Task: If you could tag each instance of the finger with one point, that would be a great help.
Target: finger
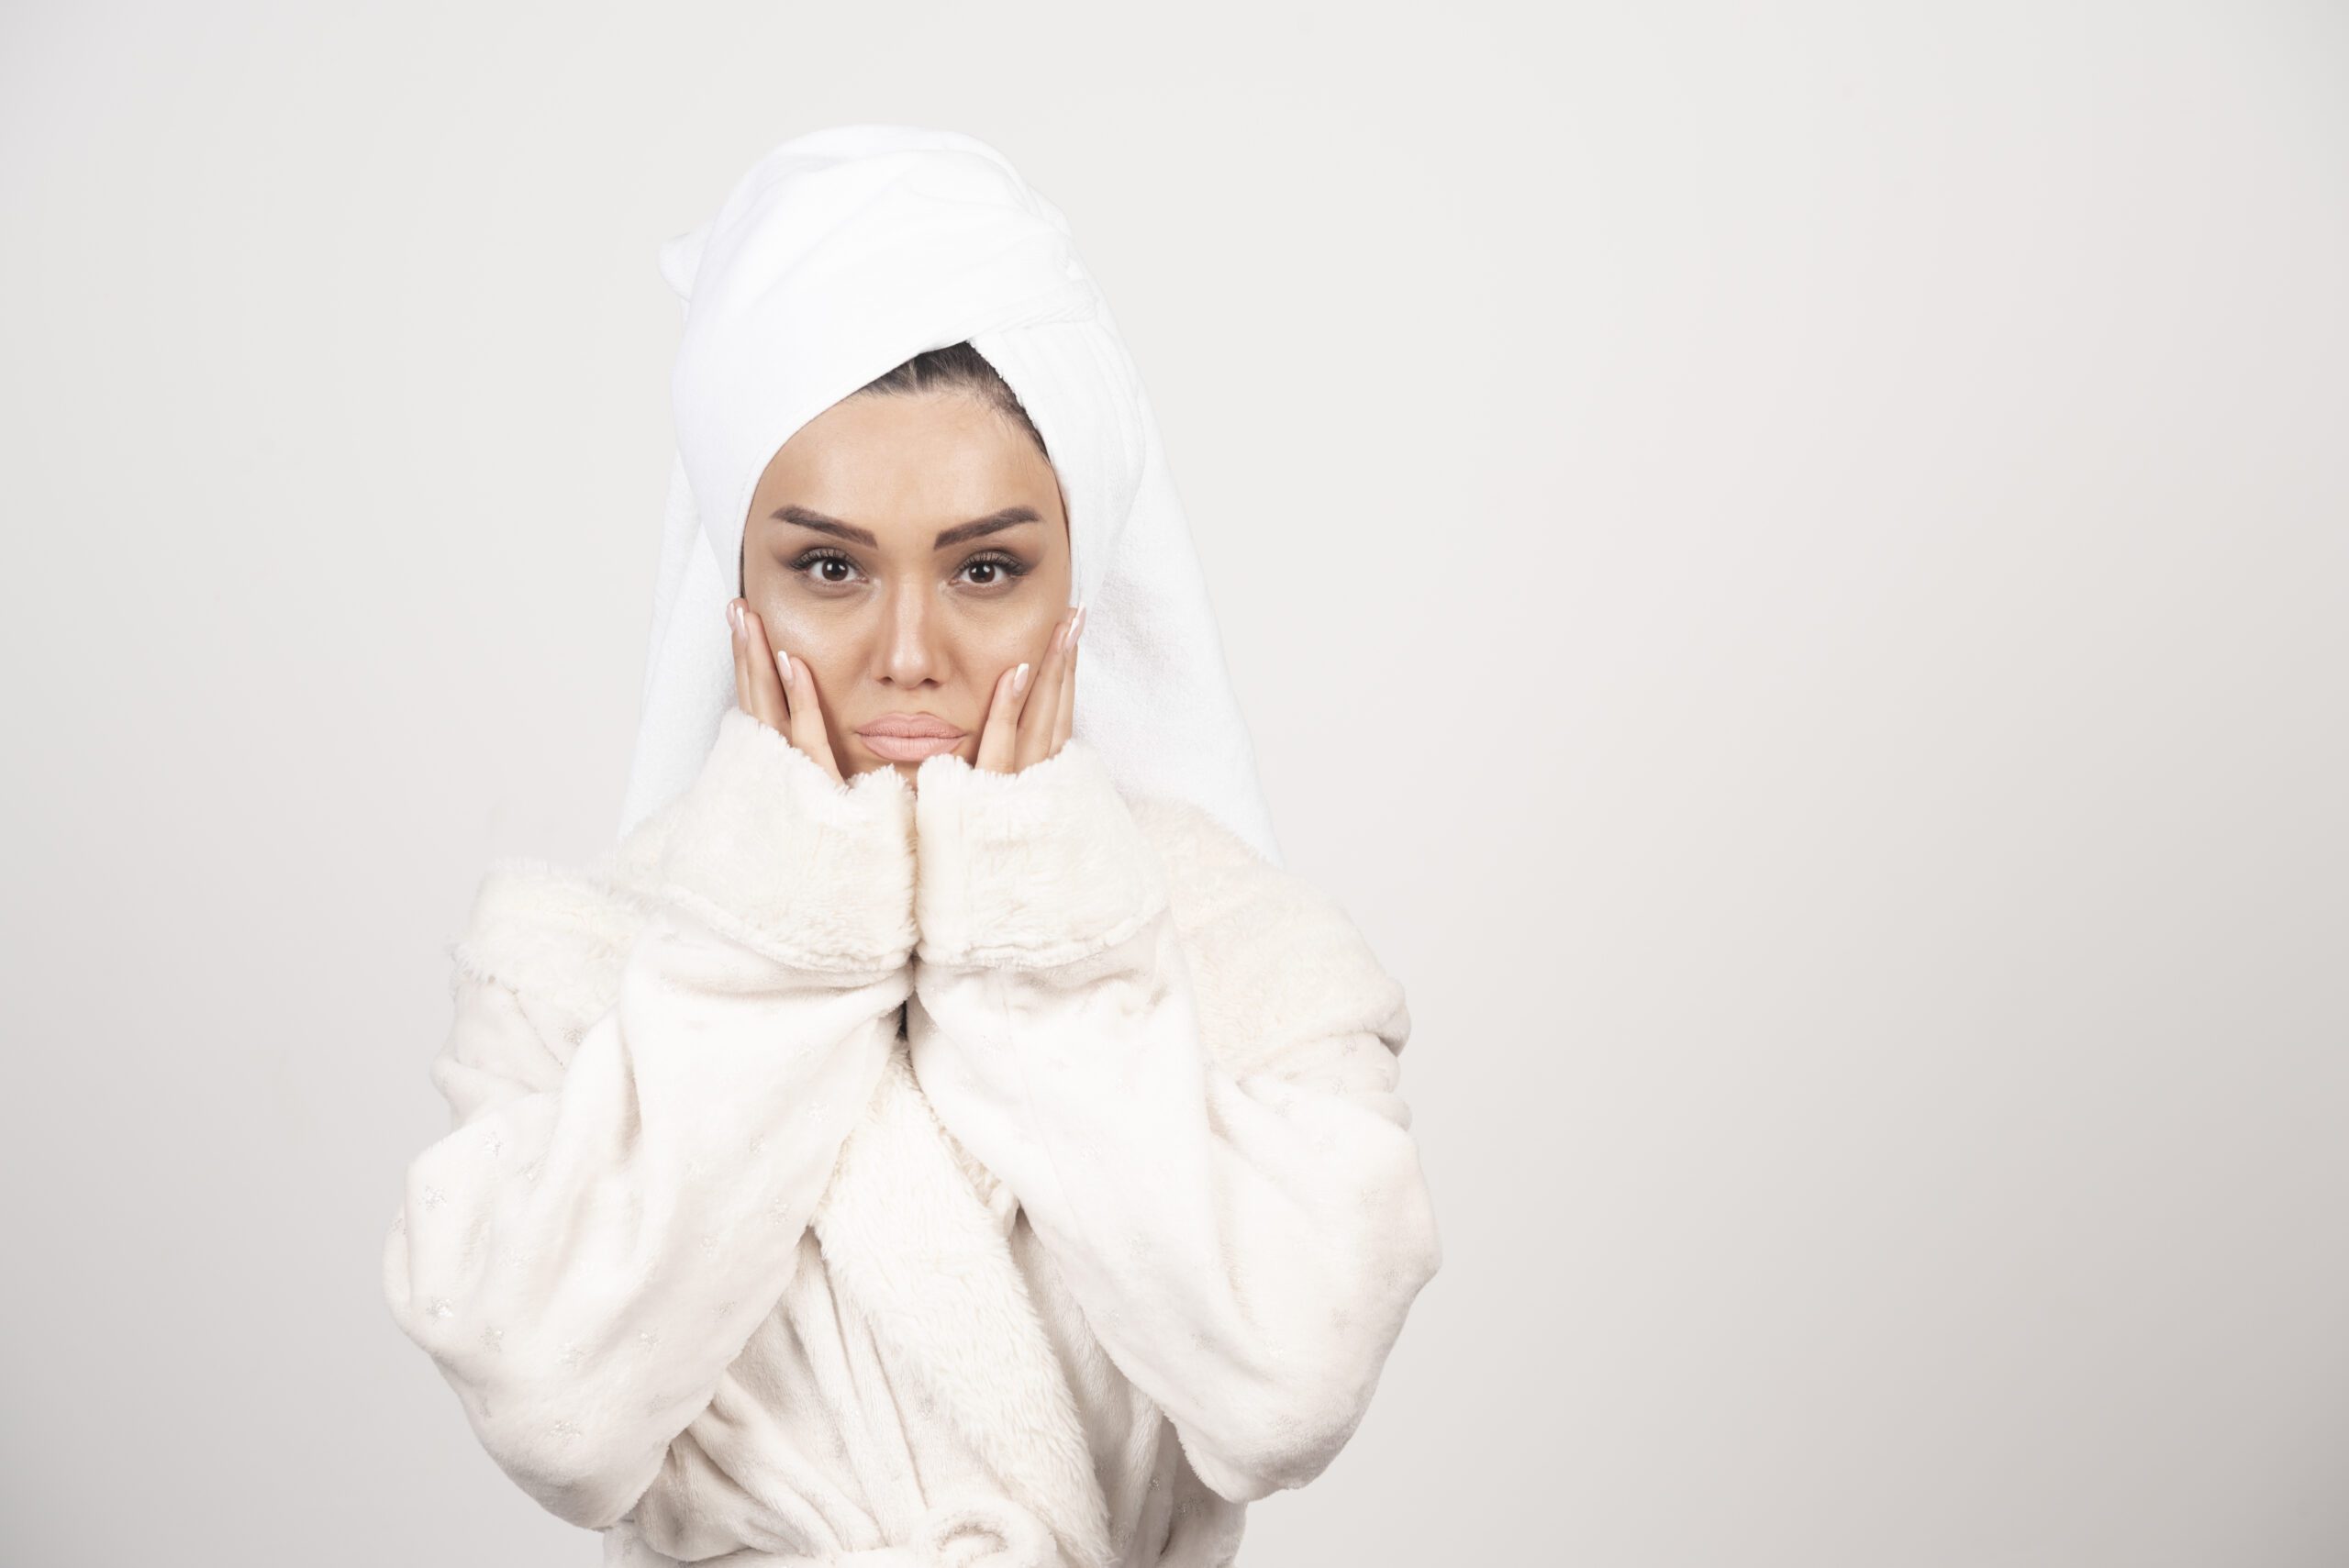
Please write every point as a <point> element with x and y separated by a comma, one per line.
<point>809,730</point>
<point>1067,719</point>
<point>767,686</point>
<point>998,738</point>
<point>1042,713</point>
<point>741,668</point>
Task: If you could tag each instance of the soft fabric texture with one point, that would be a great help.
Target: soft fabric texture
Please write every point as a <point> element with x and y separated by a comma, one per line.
<point>1112,1236</point>
<point>837,257</point>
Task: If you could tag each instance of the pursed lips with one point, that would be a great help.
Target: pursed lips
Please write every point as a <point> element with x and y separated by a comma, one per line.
<point>909,736</point>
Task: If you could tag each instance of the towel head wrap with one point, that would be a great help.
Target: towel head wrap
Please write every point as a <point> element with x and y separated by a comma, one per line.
<point>838,256</point>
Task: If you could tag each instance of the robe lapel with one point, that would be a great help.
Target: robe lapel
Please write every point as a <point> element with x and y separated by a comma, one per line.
<point>925,1262</point>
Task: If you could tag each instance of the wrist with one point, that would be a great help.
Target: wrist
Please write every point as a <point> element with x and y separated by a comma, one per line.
<point>771,848</point>
<point>1033,868</point>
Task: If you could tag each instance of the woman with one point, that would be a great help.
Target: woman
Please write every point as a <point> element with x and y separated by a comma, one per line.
<point>939,1132</point>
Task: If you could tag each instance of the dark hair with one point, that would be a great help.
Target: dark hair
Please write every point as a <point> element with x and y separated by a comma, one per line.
<point>958,367</point>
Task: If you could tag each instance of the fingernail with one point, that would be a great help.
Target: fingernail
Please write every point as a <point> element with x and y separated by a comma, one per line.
<point>734,616</point>
<point>782,665</point>
<point>1019,678</point>
<point>1076,627</point>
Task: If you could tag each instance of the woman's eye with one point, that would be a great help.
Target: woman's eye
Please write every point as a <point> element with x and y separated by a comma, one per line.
<point>833,569</point>
<point>826,566</point>
<point>995,571</point>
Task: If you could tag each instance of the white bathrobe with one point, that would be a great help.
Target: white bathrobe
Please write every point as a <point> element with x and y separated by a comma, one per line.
<point>1004,1173</point>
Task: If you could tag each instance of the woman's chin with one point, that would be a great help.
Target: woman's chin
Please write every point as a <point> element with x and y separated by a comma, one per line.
<point>908,768</point>
<point>908,772</point>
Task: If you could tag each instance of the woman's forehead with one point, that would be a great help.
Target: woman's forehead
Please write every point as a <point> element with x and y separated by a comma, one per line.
<point>898,464</point>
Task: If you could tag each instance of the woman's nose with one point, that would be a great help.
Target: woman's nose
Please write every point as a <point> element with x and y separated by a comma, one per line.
<point>909,632</point>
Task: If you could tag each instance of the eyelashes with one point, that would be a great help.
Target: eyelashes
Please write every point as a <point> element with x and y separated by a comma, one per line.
<point>1007,568</point>
<point>807,559</point>
<point>1010,567</point>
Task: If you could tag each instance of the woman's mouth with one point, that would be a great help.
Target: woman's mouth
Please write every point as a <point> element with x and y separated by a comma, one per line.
<point>909,736</point>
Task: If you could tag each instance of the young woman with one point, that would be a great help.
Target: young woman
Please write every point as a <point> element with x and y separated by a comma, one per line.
<point>939,1132</point>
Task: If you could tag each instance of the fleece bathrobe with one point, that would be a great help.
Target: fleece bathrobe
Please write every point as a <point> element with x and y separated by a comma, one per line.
<point>989,1170</point>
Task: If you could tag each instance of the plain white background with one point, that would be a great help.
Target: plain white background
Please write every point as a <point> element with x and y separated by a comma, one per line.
<point>1787,562</point>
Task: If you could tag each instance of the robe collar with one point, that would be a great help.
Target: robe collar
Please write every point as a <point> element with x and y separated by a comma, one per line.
<point>925,1260</point>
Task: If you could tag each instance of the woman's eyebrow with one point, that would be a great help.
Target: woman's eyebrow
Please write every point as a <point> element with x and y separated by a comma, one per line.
<point>1010,517</point>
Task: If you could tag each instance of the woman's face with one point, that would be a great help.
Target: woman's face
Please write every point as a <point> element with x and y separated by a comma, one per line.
<point>910,549</point>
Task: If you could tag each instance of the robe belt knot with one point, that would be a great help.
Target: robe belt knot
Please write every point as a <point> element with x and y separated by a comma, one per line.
<point>993,1532</point>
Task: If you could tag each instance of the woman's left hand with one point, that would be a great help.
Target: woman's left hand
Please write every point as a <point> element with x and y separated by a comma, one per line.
<point>1028,715</point>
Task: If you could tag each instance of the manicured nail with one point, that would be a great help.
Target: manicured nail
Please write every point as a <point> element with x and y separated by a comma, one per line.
<point>1019,678</point>
<point>782,665</point>
<point>734,617</point>
<point>1076,627</point>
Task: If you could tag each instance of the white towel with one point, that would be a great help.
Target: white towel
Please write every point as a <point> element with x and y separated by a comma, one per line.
<point>839,255</point>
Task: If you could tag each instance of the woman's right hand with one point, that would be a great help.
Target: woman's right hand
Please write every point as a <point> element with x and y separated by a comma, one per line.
<point>776,689</point>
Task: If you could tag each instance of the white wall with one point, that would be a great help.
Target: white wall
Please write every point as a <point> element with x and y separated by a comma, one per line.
<point>1786,561</point>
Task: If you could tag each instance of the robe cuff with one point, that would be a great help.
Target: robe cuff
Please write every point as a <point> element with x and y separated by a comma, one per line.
<point>1028,870</point>
<point>773,851</point>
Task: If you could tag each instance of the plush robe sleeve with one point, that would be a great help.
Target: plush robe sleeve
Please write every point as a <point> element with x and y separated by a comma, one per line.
<point>1245,1226</point>
<point>618,1206</point>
